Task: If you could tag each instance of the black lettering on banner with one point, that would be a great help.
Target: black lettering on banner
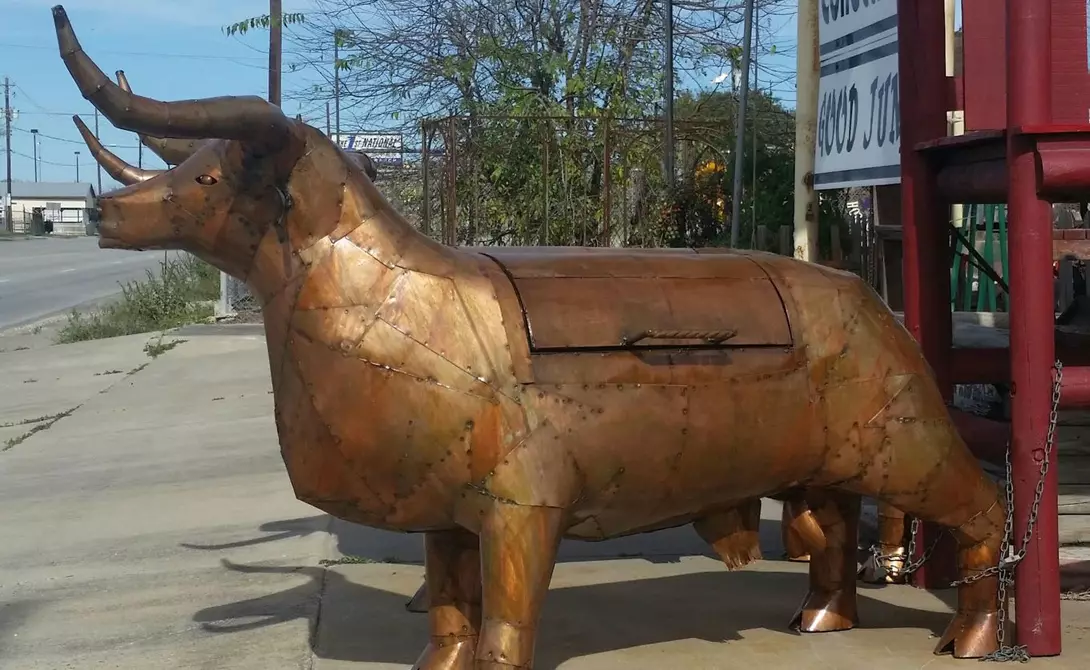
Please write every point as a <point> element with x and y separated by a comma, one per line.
<point>882,110</point>
<point>869,134</point>
<point>831,10</point>
<point>838,121</point>
<point>895,121</point>
<point>841,113</point>
<point>853,116</point>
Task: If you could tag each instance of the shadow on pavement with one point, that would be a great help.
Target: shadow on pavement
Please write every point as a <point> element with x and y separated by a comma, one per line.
<point>366,624</point>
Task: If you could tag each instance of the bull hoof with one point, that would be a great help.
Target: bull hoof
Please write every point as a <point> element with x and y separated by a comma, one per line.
<point>448,656</point>
<point>970,635</point>
<point>884,570</point>
<point>826,612</point>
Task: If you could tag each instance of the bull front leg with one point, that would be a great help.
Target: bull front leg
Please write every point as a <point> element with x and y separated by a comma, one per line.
<point>831,603</point>
<point>518,552</point>
<point>453,582</point>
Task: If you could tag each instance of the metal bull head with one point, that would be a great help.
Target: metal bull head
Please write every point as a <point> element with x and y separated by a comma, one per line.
<point>499,400</point>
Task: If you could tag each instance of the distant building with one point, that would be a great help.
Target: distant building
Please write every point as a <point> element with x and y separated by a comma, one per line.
<point>66,205</point>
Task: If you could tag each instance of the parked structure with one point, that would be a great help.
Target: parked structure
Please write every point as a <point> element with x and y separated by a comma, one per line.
<point>64,207</point>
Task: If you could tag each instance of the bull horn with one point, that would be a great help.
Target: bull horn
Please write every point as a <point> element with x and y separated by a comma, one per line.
<point>172,150</point>
<point>114,166</point>
<point>246,118</point>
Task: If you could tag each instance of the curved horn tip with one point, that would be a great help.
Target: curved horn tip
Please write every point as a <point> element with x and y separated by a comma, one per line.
<point>60,18</point>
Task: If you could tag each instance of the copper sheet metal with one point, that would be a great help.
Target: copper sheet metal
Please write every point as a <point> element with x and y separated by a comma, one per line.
<point>410,395</point>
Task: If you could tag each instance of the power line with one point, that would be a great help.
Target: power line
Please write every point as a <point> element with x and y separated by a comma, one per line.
<point>42,160</point>
<point>80,142</point>
<point>151,54</point>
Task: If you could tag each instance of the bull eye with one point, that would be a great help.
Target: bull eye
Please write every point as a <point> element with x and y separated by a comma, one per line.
<point>206,180</point>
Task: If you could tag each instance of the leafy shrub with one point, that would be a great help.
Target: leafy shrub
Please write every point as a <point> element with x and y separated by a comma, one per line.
<point>177,296</point>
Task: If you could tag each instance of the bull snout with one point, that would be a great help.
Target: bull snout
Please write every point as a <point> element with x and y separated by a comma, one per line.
<point>118,231</point>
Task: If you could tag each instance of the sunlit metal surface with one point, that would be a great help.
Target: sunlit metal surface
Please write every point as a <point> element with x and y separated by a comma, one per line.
<point>499,399</point>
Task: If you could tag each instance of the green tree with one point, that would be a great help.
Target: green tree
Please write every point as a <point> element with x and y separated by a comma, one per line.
<point>542,88</point>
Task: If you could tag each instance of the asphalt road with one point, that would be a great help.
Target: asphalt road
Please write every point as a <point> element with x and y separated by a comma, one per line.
<point>42,277</point>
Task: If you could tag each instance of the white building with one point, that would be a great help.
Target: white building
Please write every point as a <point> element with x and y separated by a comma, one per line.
<point>66,205</point>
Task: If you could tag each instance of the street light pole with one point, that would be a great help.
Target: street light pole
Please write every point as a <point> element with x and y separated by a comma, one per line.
<point>97,164</point>
<point>668,94</point>
<point>34,134</point>
<point>77,166</point>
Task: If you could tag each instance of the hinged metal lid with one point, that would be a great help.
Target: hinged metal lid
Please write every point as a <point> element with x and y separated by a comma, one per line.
<point>579,299</point>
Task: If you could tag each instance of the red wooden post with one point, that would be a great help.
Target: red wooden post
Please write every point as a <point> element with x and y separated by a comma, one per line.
<point>1029,69</point>
<point>922,66</point>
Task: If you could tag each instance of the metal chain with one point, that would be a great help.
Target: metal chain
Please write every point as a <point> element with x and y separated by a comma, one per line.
<point>1008,558</point>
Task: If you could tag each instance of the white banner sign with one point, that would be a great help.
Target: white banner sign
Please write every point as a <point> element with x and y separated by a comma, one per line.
<point>383,148</point>
<point>858,125</point>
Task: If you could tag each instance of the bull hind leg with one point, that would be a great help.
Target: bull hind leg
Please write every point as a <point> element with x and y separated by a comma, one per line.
<point>975,514</point>
<point>887,567</point>
<point>921,466</point>
<point>453,595</point>
<point>830,604</point>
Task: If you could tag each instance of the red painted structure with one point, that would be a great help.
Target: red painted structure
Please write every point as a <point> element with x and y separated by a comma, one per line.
<point>1026,97</point>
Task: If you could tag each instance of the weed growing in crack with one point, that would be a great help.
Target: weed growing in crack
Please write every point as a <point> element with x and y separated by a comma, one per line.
<point>346,560</point>
<point>159,347</point>
<point>46,424</point>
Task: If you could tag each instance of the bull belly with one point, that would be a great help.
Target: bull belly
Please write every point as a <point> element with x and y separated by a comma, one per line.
<point>669,473</point>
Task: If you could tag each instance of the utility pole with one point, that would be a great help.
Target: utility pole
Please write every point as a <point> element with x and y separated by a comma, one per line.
<point>276,28</point>
<point>805,217</point>
<point>668,94</point>
<point>96,162</point>
<point>753,151</point>
<point>740,129</point>
<point>337,82</point>
<point>327,128</point>
<point>7,139</point>
<point>77,166</point>
<point>34,134</point>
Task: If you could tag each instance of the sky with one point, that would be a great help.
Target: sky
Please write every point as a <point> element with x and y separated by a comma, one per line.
<point>170,51</point>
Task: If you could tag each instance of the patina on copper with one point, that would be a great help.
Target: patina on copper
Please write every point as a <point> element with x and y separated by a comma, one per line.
<point>494,399</point>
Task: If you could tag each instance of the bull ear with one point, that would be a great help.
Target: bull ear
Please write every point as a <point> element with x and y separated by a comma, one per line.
<point>246,118</point>
<point>366,164</point>
<point>114,166</point>
<point>172,150</point>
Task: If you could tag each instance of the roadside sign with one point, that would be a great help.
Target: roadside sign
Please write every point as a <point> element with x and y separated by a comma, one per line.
<point>383,148</point>
<point>859,120</point>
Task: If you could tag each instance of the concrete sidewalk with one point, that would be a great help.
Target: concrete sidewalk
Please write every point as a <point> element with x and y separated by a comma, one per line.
<point>146,522</point>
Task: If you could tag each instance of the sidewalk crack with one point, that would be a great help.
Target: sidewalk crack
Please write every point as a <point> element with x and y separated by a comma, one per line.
<point>46,423</point>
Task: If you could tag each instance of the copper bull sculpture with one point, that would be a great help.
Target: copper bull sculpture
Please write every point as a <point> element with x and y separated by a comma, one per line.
<point>501,399</point>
